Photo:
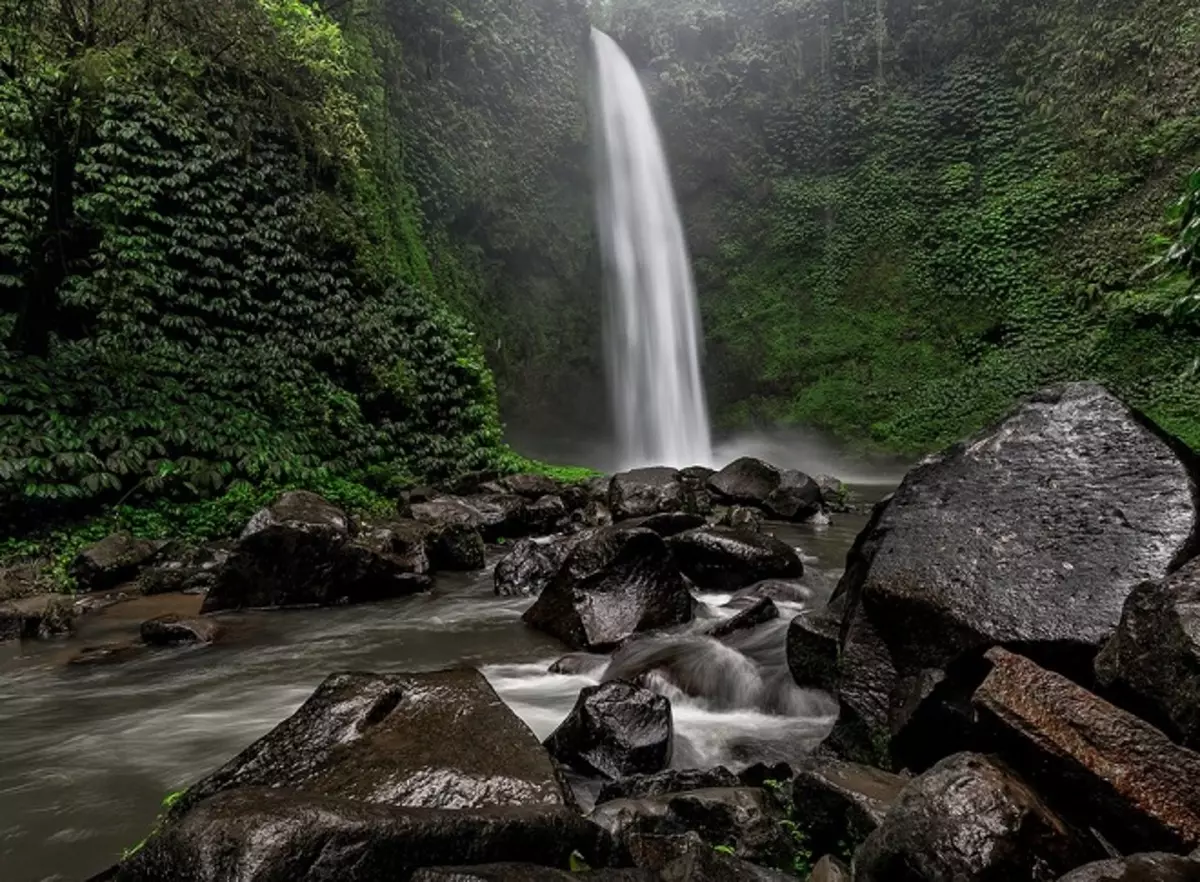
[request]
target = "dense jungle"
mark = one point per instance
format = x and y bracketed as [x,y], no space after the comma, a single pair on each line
[309,306]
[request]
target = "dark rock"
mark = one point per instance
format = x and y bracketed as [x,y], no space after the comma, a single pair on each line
[597,488]
[109,653]
[268,834]
[194,572]
[842,803]
[530,567]
[457,547]
[721,559]
[615,729]
[546,514]
[503,516]
[580,663]
[643,492]
[835,495]
[747,480]
[762,610]
[172,630]
[696,476]
[669,781]
[777,590]
[472,483]
[812,649]
[594,514]
[1140,788]
[299,552]
[614,583]
[830,869]
[743,818]
[1032,534]
[762,774]
[1138,868]
[1152,663]
[37,617]
[688,858]
[668,523]
[379,739]
[739,517]
[530,486]
[444,511]
[796,498]
[112,561]
[528,873]
[969,817]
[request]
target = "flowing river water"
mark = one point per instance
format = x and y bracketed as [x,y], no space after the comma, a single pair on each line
[87,753]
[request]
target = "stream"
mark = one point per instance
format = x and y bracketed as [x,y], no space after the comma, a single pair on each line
[88,752]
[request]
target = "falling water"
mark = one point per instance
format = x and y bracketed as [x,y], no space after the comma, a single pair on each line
[652,330]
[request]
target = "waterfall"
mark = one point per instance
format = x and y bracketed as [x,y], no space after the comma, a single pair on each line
[652,329]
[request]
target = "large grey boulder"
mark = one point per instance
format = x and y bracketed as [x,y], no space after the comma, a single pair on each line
[1151,867]
[1033,533]
[614,583]
[615,729]
[112,561]
[643,492]
[747,480]
[1152,663]
[530,566]
[725,559]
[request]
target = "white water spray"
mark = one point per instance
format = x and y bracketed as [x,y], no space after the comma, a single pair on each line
[652,331]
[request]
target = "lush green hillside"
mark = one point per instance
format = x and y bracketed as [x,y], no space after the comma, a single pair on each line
[237,236]
[906,214]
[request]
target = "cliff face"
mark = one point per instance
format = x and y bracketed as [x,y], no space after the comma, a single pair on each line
[907,214]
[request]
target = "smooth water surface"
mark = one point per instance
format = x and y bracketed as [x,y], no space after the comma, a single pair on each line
[86,754]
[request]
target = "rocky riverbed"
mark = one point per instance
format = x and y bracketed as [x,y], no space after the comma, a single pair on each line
[1001,686]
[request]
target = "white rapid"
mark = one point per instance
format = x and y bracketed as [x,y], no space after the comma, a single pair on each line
[652,330]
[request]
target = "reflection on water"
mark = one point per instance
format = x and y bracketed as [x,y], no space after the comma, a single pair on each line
[87,753]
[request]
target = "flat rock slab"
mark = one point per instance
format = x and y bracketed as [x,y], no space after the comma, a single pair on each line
[1138,786]
[726,559]
[436,740]
[174,630]
[1033,533]
[270,834]
[36,617]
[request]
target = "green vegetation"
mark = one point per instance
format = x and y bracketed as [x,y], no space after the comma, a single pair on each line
[906,215]
[1183,255]
[220,260]
[169,802]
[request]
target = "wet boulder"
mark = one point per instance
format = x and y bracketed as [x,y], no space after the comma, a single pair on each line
[722,559]
[1140,788]
[812,649]
[267,834]
[615,729]
[580,664]
[748,481]
[835,495]
[969,817]
[778,590]
[531,487]
[614,583]
[546,514]
[192,572]
[36,617]
[175,630]
[1152,663]
[444,511]
[667,781]
[112,561]
[300,551]
[1153,867]
[761,611]
[743,818]
[529,567]
[739,517]
[688,858]
[1033,533]
[504,515]
[797,497]
[667,523]
[643,492]
[456,547]
[371,738]
[842,803]
[591,515]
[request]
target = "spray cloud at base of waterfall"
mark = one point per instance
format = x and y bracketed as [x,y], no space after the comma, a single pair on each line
[652,325]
